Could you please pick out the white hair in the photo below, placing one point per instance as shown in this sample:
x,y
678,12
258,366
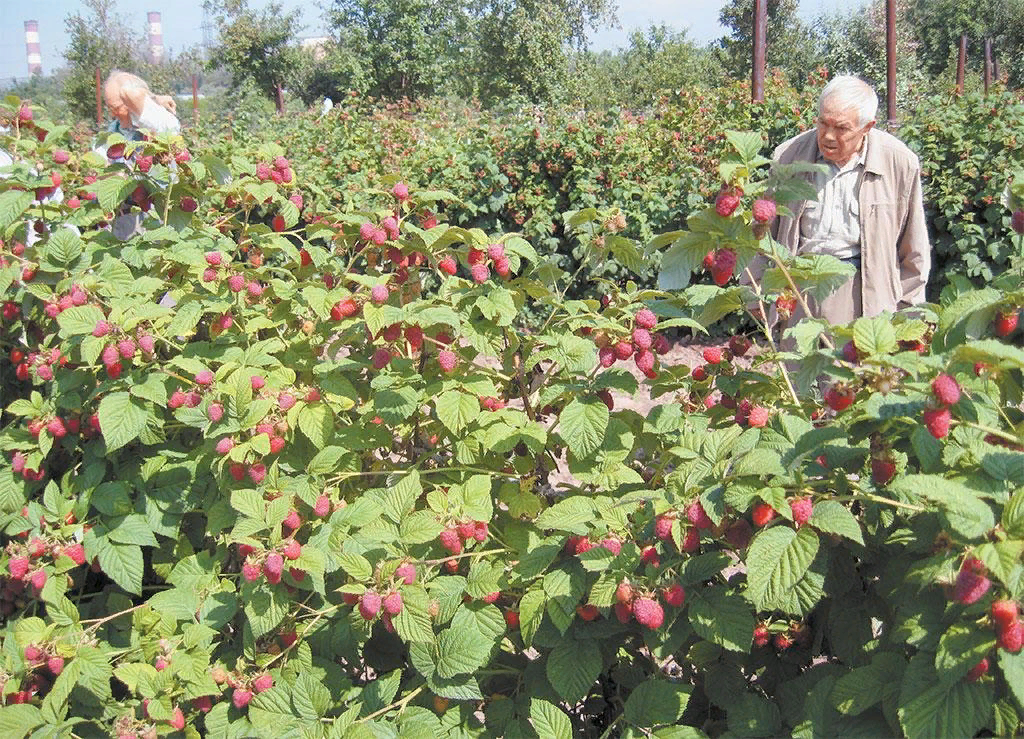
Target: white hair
x,y
848,92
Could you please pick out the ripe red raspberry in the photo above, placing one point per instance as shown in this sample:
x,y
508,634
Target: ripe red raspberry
x,y
674,595
379,294
758,417
448,265
33,653
241,697
696,515
645,318
839,398
475,256
18,567
691,540
764,210
726,203
188,204
257,472
762,514
642,338
251,571
512,619
75,552
1006,322
978,671
937,421
739,345
369,605
466,529
38,579
400,191
1017,221
1011,638
699,373
225,445
723,265
583,544
783,642
761,635
648,612
623,349
802,508
322,506
663,527
450,540
292,549
588,612
393,603
606,356
946,389
56,428
623,613
644,360
883,470
55,665
970,586
447,359
1004,612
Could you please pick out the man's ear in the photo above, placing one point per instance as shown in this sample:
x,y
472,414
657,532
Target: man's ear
x,y
869,126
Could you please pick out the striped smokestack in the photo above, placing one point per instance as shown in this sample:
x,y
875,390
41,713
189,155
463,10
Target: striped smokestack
x,y
33,55
156,37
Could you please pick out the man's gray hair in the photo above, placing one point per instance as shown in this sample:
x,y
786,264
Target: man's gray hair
x,y
847,92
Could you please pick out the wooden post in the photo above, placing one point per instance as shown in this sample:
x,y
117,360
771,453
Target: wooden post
x,y
988,64
99,99
280,100
760,42
961,64
890,55
195,100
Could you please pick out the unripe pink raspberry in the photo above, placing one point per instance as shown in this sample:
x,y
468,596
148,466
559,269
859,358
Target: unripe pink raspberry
x,y
273,567
110,355
624,349
946,389
64,303
102,328
645,318
225,445
400,190
45,372
193,398
369,605
33,653
648,612
663,527
38,579
277,443
257,382
236,283
241,697
215,412
55,665
696,515
606,356
262,683
257,472
254,288
322,506
450,540
251,571
292,549
390,226
644,360
147,343
57,428
204,378
802,509
61,157
379,294
496,251
764,210
447,359
406,572
76,552
126,348
379,236
176,400
502,267
209,274
642,338
479,273
285,401
393,603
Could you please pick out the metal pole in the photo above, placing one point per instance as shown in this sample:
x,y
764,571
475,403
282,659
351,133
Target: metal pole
x,y
760,42
988,63
99,99
890,54
195,100
961,64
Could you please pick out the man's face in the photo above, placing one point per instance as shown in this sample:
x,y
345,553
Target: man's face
x,y
116,104
840,134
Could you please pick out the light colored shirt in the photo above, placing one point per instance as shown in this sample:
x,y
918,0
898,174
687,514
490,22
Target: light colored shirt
x,y
831,225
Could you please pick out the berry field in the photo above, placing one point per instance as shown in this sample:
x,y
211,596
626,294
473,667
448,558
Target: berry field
x,y
287,457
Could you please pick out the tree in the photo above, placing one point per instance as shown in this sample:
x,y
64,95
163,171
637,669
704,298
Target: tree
x,y
790,41
255,46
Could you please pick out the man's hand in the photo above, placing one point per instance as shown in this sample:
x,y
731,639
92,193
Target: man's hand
x,y
167,102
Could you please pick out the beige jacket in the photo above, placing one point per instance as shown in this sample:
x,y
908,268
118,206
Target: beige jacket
x,y
894,250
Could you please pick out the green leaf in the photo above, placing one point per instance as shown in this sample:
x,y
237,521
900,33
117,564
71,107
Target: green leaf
x,y
1013,515
63,247
958,709
961,647
122,563
55,705
112,191
656,702
325,461
583,423
722,618
1012,666
13,203
549,721
466,645
456,410
776,561
573,668
311,699
531,614
754,716
265,608
963,508
875,336
571,514
121,419
79,319
20,719
831,517
746,143
316,422
863,687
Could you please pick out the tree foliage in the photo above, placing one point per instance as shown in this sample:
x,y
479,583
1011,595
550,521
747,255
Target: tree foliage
x,y
790,42
255,45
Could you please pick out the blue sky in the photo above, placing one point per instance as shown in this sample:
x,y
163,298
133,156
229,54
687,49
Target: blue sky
x,y
182,22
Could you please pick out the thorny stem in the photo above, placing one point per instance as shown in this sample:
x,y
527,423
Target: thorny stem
x,y
97,622
400,705
992,431
378,473
887,501
464,555
799,296
763,322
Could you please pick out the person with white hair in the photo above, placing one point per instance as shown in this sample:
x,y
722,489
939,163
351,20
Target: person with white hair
x,y
869,211
135,107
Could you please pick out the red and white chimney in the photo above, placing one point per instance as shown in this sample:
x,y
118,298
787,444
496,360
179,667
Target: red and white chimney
x,y
156,37
33,55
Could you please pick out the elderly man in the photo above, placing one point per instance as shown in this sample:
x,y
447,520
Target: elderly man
x,y
133,106
869,212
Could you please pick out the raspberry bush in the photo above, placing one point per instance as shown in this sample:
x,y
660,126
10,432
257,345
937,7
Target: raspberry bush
x,y
277,470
